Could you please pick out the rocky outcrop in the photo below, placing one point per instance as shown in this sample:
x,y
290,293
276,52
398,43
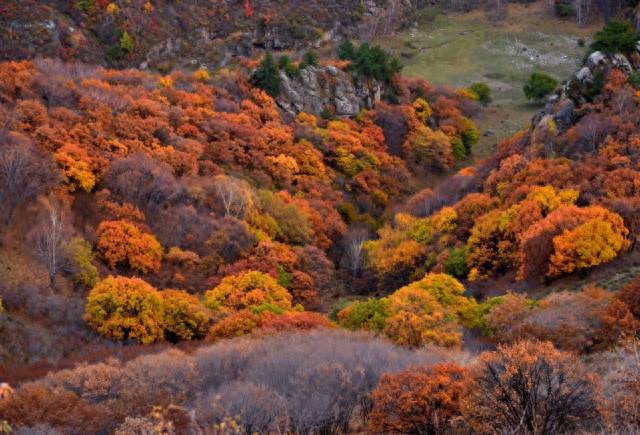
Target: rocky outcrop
x,y
319,89
575,92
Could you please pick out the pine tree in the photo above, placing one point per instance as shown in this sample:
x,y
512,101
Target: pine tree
x,y
267,76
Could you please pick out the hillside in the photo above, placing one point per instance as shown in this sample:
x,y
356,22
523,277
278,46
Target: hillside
x,y
460,49
206,175
301,245
169,34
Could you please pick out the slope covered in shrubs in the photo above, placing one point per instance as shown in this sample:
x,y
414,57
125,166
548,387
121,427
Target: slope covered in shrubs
x,y
156,219
154,197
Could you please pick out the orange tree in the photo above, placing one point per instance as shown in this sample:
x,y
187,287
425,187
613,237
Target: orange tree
x,y
592,243
295,321
422,400
491,244
122,242
235,325
245,322
76,167
630,295
571,238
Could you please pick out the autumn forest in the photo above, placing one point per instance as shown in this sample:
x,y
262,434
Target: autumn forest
x,y
227,217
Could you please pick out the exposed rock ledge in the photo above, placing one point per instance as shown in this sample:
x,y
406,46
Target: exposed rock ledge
x,y
318,89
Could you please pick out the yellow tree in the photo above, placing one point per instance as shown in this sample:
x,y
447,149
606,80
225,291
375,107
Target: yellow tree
x,y
572,238
432,310
592,243
401,247
184,317
422,110
429,149
491,247
253,290
126,309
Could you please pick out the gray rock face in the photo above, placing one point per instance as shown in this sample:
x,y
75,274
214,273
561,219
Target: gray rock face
x,y
277,37
584,76
600,61
563,113
326,88
621,62
573,92
596,60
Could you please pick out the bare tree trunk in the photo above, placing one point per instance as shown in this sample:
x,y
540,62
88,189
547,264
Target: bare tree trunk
x,y
496,11
583,10
579,11
355,250
549,150
50,243
233,195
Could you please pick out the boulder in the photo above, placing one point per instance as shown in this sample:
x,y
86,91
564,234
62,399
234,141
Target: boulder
x,y
596,60
584,76
560,107
563,113
599,61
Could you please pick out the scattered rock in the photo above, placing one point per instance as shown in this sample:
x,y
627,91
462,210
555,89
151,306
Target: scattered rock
x,y
621,62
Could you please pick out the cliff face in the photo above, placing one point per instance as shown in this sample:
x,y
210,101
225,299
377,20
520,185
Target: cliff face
x,y
168,33
328,88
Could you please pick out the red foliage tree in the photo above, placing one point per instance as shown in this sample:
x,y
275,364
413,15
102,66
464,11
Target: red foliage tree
x,y
420,400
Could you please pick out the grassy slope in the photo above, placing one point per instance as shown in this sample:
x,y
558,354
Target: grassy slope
x,y
460,49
